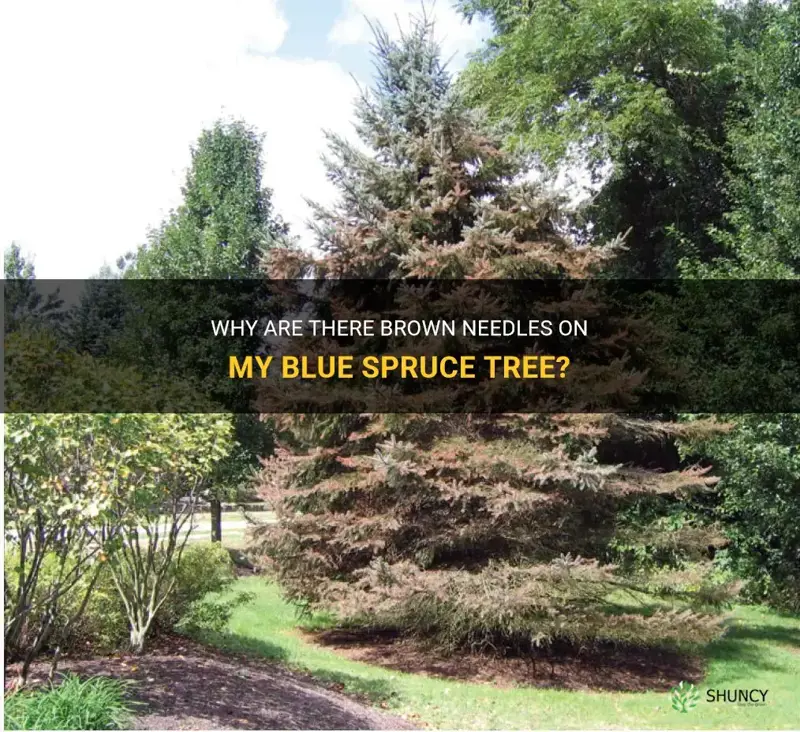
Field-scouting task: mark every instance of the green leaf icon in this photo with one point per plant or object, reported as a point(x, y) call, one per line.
point(684, 697)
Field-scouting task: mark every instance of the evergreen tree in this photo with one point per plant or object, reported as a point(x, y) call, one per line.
point(15, 266)
point(468, 530)
point(24, 303)
point(221, 231)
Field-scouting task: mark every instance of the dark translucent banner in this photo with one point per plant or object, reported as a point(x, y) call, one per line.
point(311, 346)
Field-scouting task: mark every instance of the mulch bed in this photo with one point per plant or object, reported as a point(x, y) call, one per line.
point(601, 669)
point(180, 684)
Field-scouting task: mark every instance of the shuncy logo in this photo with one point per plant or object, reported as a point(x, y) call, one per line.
point(685, 696)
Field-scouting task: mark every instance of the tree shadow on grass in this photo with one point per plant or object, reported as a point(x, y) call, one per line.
point(745, 649)
point(375, 691)
point(245, 645)
point(770, 633)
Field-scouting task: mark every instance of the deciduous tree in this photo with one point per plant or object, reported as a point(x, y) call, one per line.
point(758, 460)
point(635, 91)
point(78, 490)
point(223, 228)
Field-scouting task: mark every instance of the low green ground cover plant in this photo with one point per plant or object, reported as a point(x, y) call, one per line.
point(74, 703)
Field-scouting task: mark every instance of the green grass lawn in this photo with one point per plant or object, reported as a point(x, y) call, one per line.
point(762, 650)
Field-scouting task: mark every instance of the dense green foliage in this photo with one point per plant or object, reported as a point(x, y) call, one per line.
point(762, 233)
point(226, 222)
point(637, 92)
point(222, 230)
point(760, 504)
point(203, 568)
point(759, 498)
point(95, 703)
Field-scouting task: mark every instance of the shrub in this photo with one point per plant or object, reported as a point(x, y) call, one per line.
point(94, 703)
point(205, 571)
point(102, 624)
point(759, 506)
point(120, 468)
point(204, 568)
point(211, 613)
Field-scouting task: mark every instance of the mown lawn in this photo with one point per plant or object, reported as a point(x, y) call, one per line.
point(761, 651)
point(234, 527)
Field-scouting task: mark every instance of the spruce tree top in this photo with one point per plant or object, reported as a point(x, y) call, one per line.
point(428, 191)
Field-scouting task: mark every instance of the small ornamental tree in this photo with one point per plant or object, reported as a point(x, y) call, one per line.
point(150, 519)
point(52, 499)
point(78, 490)
point(477, 531)
point(74, 485)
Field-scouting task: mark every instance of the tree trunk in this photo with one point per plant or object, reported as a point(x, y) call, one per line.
point(216, 520)
point(54, 664)
point(137, 640)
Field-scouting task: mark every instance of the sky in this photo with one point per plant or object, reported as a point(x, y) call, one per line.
point(102, 101)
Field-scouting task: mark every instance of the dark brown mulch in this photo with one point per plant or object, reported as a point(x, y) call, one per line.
point(184, 685)
point(603, 668)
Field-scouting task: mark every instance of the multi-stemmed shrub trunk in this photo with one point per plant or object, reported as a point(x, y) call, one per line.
point(85, 494)
point(35, 606)
point(142, 567)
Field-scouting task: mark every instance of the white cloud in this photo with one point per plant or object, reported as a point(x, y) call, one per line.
point(103, 99)
point(457, 37)
point(101, 103)
point(300, 100)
